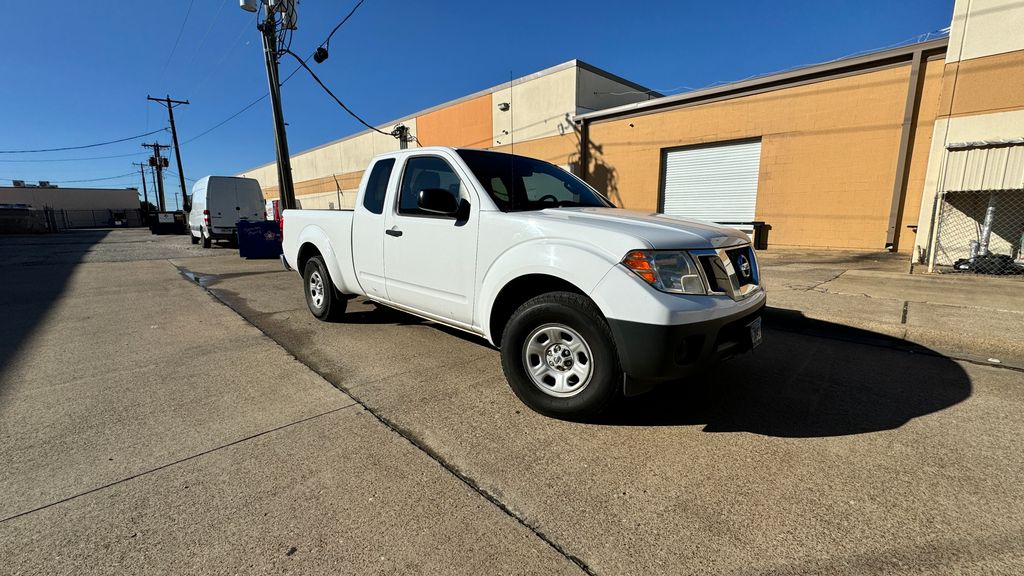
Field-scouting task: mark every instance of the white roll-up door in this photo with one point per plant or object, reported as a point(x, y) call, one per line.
point(716, 183)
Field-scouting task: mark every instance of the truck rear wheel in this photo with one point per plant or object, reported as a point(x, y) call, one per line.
point(559, 358)
point(321, 297)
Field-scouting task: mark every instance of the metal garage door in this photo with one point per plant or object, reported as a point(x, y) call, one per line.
point(717, 183)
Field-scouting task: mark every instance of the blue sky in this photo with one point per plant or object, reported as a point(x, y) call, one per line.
point(76, 72)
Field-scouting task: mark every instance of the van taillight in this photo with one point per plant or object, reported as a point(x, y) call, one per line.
point(206, 218)
point(281, 221)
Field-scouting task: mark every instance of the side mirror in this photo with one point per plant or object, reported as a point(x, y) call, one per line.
point(438, 201)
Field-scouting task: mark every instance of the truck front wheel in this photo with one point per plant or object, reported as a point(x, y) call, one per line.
point(321, 297)
point(559, 358)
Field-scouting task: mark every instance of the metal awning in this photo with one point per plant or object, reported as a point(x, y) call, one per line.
point(988, 166)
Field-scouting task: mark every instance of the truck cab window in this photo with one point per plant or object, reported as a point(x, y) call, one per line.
point(421, 173)
point(377, 186)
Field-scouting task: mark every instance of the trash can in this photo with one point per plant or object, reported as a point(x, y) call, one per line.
point(260, 239)
point(761, 235)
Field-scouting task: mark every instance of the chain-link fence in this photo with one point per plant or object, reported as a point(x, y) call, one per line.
point(99, 218)
point(980, 232)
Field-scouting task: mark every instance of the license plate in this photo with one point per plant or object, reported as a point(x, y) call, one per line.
point(755, 332)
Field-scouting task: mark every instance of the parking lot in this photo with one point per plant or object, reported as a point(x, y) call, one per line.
point(168, 409)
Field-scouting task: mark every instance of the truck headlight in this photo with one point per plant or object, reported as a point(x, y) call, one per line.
point(671, 271)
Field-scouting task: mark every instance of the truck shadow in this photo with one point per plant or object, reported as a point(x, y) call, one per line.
point(810, 378)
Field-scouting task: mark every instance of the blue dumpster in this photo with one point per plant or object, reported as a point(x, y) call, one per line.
point(260, 239)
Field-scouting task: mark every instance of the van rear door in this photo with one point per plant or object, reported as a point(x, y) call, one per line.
point(249, 204)
point(220, 201)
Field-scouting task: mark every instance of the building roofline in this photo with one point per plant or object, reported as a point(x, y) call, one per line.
point(873, 60)
point(479, 93)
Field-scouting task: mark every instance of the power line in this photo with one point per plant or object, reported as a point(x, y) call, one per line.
point(132, 173)
point(173, 173)
point(133, 154)
point(327, 43)
point(84, 146)
point(178, 38)
point(283, 82)
point(331, 94)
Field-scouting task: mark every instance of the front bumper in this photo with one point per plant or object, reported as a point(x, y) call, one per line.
point(654, 352)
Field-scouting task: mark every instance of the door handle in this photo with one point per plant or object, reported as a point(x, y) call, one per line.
point(393, 232)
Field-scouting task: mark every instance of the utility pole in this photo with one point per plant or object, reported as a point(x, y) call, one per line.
point(145, 192)
point(268, 28)
point(159, 163)
point(174, 136)
point(402, 131)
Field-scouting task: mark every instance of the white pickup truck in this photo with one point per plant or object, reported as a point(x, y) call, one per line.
point(586, 301)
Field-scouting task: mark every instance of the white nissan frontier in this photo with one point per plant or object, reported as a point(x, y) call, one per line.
point(587, 302)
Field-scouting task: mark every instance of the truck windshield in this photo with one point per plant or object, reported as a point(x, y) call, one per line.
point(517, 183)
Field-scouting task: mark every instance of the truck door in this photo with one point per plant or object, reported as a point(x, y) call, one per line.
point(429, 259)
point(368, 230)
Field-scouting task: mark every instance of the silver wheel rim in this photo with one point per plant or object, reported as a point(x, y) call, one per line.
point(316, 289)
point(558, 360)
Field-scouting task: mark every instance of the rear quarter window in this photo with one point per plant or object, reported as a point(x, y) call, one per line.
point(377, 185)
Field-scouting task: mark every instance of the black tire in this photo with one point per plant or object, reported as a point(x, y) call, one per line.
point(193, 238)
point(207, 242)
point(581, 315)
point(325, 302)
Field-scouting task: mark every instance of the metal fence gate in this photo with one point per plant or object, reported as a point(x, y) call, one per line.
point(980, 232)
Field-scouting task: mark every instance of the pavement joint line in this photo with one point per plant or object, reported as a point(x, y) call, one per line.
point(179, 461)
point(415, 442)
point(903, 315)
point(909, 348)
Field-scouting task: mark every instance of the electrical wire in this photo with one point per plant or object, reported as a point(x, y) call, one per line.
point(327, 42)
point(178, 38)
point(133, 154)
point(173, 173)
point(132, 173)
point(287, 78)
point(331, 94)
point(83, 146)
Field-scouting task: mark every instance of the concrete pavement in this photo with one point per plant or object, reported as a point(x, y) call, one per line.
point(386, 444)
point(961, 315)
point(146, 428)
point(815, 455)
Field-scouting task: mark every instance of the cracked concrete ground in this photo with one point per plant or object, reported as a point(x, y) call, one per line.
point(146, 426)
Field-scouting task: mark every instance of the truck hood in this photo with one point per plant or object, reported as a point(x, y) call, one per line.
point(657, 230)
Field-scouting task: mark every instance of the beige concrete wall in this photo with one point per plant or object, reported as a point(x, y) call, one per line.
point(72, 198)
point(597, 92)
point(829, 153)
point(990, 27)
point(337, 158)
point(538, 107)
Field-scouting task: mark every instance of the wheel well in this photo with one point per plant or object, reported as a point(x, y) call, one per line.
point(306, 251)
point(517, 292)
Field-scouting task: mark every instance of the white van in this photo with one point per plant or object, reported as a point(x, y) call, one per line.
point(218, 203)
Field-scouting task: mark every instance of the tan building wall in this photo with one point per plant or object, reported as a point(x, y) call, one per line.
point(73, 198)
point(466, 124)
point(828, 154)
